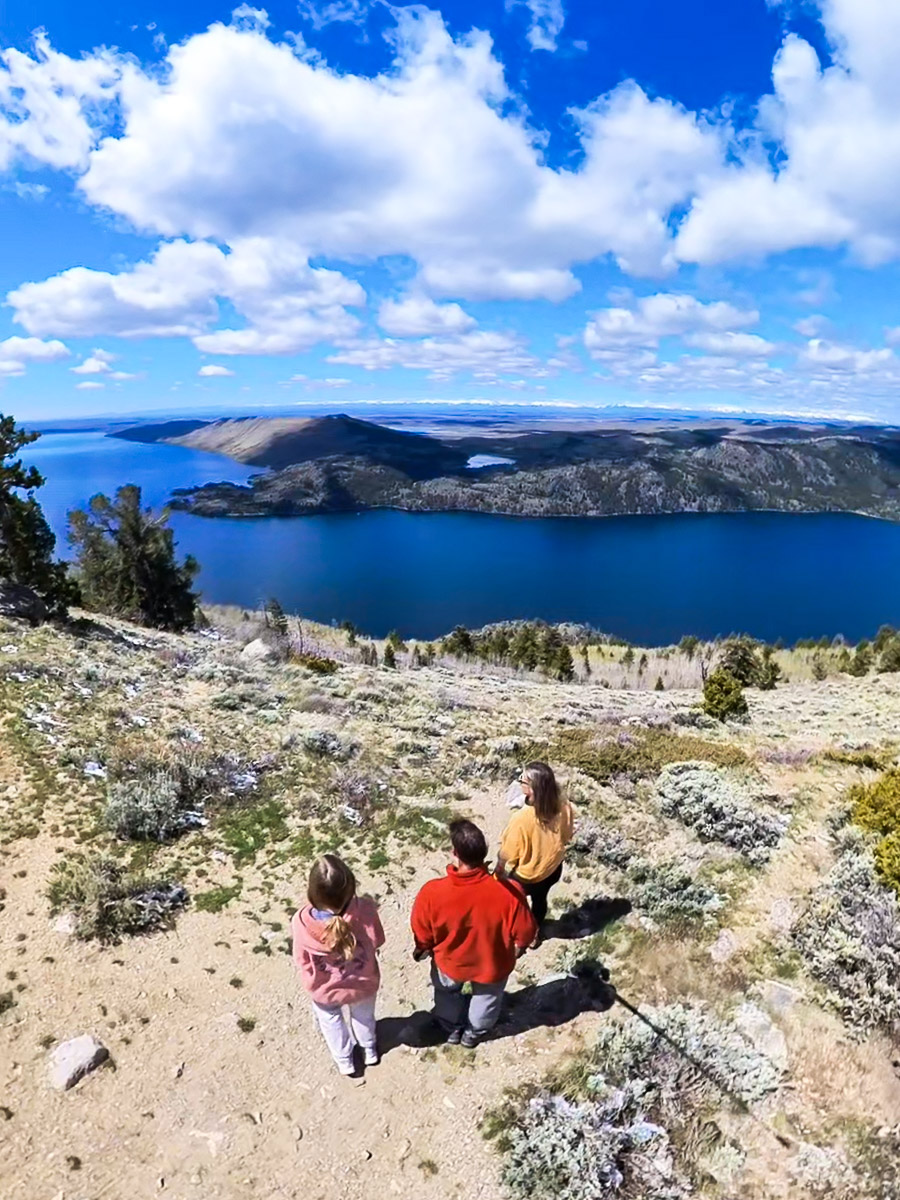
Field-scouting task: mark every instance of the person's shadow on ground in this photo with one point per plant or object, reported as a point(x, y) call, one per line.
point(557, 1000)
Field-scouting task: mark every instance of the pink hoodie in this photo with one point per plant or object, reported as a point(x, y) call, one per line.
point(328, 977)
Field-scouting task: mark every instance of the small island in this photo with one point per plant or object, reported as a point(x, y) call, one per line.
point(342, 464)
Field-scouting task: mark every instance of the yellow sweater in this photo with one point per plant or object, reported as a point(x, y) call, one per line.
point(533, 850)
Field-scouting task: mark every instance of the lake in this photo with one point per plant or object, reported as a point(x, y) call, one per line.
point(648, 579)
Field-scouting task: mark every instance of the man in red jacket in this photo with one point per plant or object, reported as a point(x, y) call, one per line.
point(474, 926)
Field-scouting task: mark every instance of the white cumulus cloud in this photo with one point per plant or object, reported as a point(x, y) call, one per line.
point(419, 316)
point(211, 370)
point(17, 352)
point(547, 20)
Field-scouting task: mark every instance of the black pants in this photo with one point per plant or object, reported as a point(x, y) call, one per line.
point(538, 893)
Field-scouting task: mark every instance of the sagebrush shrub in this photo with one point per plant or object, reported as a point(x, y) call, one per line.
point(148, 808)
point(849, 936)
point(723, 697)
point(598, 842)
point(325, 744)
point(668, 892)
point(559, 1150)
point(711, 804)
point(608, 1135)
point(630, 1049)
point(108, 900)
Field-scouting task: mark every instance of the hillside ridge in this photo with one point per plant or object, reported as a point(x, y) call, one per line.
point(340, 463)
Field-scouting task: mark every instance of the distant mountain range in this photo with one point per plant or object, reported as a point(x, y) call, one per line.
point(339, 464)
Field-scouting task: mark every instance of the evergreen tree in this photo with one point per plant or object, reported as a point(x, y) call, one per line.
point(642, 664)
point(524, 650)
point(659, 686)
point(885, 634)
point(688, 645)
point(563, 666)
point(628, 657)
point(389, 658)
point(890, 655)
point(396, 640)
point(740, 659)
point(26, 540)
point(126, 562)
point(861, 662)
point(723, 696)
point(769, 671)
point(586, 661)
point(819, 667)
point(459, 643)
point(275, 614)
point(368, 655)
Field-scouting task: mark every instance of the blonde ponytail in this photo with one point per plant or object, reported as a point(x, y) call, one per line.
point(340, 938)
point(332, 887)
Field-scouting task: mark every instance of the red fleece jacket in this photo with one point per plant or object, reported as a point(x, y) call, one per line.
point(472, 924)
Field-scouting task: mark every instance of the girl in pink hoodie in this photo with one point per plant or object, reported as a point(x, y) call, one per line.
point(335, 940)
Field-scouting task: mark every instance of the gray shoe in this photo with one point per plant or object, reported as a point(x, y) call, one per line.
point(455, 1036)
point(470, 1039)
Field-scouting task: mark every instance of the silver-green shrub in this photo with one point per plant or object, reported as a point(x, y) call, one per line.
point(149, 807)
point(706, 800)
point(564, 1151)
point(615, 1140)
point(849, 936)
point(599, 843)
point(668, 892)
point(630, 1050)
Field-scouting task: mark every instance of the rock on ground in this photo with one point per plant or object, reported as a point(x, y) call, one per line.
point(16, 600)
point(72, 1060)
point(258, 651)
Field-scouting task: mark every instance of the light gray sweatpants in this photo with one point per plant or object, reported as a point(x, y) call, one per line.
point(452, 1010)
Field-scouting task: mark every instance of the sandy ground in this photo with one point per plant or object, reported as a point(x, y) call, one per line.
point(196, 1107)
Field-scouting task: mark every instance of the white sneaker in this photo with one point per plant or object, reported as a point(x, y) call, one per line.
point(347, 1067)
point(370, 1056)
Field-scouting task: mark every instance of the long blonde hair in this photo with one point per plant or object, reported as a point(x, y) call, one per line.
point(332, 886)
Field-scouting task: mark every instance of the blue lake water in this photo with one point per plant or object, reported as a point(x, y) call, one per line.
point(649, 579)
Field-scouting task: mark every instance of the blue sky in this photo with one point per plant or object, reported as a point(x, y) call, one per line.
point(668, 203)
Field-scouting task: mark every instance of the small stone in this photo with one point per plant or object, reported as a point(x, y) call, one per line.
point(65, 924)
point(179, 1071)
point(404, 1152)
point(71, 1060)
point(298, 1134)
point(724, 947)
point(367, 1154)
point(779, 997)
point(448, 1103)
point(161, 1182)
point(258, 651)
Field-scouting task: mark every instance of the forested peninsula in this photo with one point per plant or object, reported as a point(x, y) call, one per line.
point(342, 464)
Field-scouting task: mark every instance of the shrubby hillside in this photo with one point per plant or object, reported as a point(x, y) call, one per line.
point(162, 796)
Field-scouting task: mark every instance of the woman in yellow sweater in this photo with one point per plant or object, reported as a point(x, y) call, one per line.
point(534, 842)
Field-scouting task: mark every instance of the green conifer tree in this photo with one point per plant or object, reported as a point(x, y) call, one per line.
point(389, 658)
point(126, 565)
point(723, 696)
point(276, 616)
point(26, 540)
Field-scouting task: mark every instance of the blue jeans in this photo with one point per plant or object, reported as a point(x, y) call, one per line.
point(480, 1012)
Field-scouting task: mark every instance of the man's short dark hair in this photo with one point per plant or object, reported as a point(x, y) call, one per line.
point(469, 843)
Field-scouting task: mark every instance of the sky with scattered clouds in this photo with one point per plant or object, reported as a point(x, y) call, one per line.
point(667, 203)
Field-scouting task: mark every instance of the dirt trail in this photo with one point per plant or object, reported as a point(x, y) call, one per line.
point(262, 1113)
